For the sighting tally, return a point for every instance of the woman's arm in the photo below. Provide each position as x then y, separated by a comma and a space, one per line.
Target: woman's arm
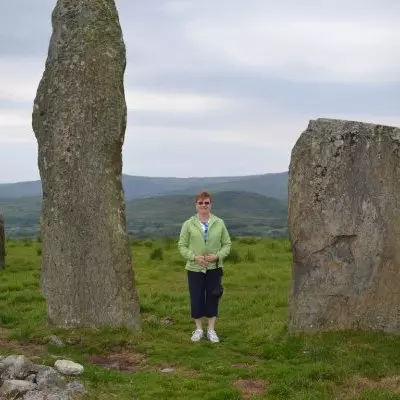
225, 244
183, 243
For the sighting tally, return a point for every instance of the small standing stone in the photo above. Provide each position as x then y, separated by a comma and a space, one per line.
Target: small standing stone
2, 243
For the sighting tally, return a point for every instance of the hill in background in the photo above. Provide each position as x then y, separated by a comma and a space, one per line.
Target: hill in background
250, 205
245, 213
270, 185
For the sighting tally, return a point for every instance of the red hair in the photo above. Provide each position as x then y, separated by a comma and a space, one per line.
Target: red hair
202, 196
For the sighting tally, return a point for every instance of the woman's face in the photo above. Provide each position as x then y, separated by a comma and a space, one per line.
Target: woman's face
203, 205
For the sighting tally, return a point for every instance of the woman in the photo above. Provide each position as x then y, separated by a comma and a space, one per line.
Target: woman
204, 242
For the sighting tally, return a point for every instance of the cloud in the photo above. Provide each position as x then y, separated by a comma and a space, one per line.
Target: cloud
25, 28
13, 118
312, 48
229, 77
19, 162
198, 153
15, 128
19, 78
172, 102
14, 136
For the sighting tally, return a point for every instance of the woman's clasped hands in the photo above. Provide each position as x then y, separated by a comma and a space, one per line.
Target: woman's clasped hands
204, 260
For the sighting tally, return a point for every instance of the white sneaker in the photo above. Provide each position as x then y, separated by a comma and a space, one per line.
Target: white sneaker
197, 335
212, 336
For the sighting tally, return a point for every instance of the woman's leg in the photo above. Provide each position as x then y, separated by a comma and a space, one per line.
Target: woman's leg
211, 323
213, 294
197, 286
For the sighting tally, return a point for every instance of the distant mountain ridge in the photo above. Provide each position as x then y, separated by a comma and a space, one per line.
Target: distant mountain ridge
20, 189
245, 213
135, 187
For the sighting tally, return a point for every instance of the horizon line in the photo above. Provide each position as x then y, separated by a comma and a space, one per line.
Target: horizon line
164, 177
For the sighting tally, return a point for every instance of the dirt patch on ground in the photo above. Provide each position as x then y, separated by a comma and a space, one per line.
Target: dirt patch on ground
134, 362
250, 387
26, 349
357, 384
130, 362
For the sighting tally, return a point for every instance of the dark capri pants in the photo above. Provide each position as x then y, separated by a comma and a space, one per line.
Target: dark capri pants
205, 291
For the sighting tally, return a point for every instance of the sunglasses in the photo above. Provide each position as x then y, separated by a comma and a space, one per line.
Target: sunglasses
200, 203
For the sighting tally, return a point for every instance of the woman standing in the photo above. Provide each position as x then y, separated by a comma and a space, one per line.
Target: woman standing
204, 242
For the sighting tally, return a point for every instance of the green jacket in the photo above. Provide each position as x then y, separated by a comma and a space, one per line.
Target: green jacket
191, 242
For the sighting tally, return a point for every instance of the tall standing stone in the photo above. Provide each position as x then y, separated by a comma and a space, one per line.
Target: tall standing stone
2, 243
79, 120
344, 224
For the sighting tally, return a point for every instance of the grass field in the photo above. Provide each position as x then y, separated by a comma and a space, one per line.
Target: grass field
256, 358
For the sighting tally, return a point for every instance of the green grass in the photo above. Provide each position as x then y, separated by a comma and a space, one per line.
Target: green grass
254, 344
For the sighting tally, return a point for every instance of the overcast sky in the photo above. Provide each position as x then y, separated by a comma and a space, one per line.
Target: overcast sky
216, 87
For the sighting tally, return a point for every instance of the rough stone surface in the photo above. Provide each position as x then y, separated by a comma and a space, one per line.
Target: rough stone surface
2, 242
21, 378
15, 367
79, 120
48, 377
344, 225
11, 388
67, 367
56, 341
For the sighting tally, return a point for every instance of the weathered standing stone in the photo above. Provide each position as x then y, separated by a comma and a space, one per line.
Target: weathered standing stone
344, 224
2, 243
79, 120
